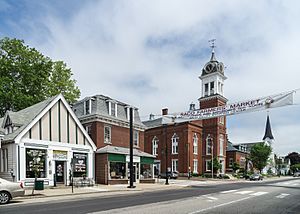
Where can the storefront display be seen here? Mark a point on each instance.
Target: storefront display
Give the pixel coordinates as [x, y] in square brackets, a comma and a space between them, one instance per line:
[35, 163]
[80, 164]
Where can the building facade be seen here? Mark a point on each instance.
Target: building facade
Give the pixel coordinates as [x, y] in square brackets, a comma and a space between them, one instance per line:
[181, 141]
[236, 154]
[209, 133]
[107, 122]
[46, 141]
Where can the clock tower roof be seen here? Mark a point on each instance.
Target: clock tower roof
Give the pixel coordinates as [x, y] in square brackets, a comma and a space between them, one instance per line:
[213, 66]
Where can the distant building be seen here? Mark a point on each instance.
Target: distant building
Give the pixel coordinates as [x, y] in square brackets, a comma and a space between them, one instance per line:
[236, 154]
[42, 140]
[107, 122]
[191, 146]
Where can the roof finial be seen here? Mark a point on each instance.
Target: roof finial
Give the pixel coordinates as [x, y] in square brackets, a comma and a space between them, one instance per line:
[213, 46]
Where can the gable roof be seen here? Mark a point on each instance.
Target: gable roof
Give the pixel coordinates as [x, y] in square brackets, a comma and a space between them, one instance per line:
[27, 117]
[23, 117]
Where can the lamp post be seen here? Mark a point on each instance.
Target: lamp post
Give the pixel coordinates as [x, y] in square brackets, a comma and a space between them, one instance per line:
[167, 176]
[212, 158]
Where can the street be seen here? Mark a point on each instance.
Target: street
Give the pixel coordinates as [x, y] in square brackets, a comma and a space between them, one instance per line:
[278, 196]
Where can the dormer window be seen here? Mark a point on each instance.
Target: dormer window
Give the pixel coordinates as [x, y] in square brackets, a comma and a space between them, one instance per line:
[9, 129]
[128, 113]
[112, 108]
[87, 106]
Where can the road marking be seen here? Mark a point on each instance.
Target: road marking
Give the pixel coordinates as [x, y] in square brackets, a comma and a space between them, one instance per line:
[258, 193]
[244, 192]
[229, 191]
[282, 195]
[220, 205]
[212, 198]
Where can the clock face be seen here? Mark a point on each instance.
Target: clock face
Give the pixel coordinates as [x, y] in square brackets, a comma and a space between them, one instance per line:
[209, 68]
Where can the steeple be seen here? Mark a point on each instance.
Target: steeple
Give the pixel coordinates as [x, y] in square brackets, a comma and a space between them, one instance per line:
[268, 132]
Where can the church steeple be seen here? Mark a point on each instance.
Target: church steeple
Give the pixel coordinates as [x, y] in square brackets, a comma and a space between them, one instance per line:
[268, 132]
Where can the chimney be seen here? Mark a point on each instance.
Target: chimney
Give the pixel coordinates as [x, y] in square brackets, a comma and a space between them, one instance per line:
[151, 116]
[192, 107]
[164, 111]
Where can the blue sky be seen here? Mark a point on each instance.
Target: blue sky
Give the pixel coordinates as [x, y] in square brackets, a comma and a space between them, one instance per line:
[150, 53]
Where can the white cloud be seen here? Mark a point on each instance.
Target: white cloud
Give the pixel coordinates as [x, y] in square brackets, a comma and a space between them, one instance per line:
[150, 54]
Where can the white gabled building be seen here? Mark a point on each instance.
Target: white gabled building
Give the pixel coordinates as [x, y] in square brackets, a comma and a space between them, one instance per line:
[42, 140]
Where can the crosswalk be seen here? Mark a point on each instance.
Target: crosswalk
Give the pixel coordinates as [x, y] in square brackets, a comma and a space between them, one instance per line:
[244, 193]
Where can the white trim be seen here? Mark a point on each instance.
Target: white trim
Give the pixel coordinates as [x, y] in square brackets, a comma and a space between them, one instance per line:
[46, 109]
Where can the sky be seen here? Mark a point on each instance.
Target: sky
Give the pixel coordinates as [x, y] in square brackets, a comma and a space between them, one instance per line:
[150, 53]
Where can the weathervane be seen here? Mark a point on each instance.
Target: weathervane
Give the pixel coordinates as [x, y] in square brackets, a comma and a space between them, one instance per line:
[212, 44]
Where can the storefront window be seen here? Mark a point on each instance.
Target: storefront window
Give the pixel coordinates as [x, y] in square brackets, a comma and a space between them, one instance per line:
[35, 163]
[146, 171]
[80, 164]
[117, 170]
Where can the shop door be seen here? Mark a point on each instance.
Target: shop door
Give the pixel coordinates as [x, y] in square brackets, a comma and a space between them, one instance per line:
[59, 171]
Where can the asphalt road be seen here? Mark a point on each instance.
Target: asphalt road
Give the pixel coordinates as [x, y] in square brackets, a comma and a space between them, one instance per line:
[251, 197]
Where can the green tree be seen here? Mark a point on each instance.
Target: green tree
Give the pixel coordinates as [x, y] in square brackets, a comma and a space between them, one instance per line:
[259, 155]
[217, 165]
[235, 166]
[28, 77]
[295, 167]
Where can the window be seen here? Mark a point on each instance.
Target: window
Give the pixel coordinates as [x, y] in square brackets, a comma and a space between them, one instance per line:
[222, 120]
[35, 163]
[117, 170]
[107, 134]
[230, 162]
[80, 162]
[221, 141]
[4, 160]
[212, 87]
[87, 107]
[206, 89]
[174, 165]
[89, 130]
[136, 138]
[154, 145]
[207, 165]
[195, 166]
[195, 144]
[146, 171]
[209, 145]
[112, 108]
[175, 144]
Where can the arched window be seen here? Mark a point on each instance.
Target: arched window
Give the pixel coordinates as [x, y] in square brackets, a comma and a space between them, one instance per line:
[154, 145]
[195, 144]
[209, 145]
[221, 141]
[175, 139]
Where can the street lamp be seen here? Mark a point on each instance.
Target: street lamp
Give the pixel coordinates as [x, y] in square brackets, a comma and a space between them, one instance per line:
[212, 158]
[166, 143]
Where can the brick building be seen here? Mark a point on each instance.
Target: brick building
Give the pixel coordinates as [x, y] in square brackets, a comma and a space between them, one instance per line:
[107, 122]
[236, 154]
[208, 136]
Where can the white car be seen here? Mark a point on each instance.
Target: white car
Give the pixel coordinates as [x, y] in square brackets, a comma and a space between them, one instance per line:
[9, 190]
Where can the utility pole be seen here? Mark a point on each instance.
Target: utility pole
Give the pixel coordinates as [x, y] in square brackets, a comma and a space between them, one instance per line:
[166, 141]
[131, 147]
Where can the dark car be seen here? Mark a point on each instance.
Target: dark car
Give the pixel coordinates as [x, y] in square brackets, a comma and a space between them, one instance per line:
[171, 175]
[256, 177]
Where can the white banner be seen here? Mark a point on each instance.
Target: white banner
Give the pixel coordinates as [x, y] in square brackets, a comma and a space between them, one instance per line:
[259, 104]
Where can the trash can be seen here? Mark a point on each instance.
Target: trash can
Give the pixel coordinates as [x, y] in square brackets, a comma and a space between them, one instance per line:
[39, 185]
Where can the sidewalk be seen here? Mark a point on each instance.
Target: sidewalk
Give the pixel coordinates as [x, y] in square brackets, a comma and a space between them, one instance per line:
[121, 189]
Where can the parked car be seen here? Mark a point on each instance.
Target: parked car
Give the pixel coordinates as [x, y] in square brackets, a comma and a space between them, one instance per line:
[256, 177]
[9, 190]
[171, 175]
[297, 174]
